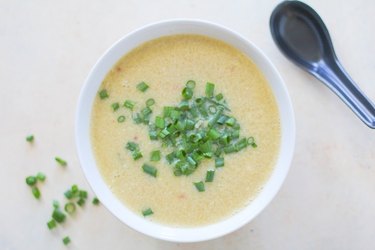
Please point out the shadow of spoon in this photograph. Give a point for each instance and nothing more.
(302, 37)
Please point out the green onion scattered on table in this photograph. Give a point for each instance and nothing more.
(103, 94)
(95, 201)
(199, 186)
(51, 224)
(148, 169)
(142, 86)
(210, 175)
(121, 119)
(31, 180)
(66, 240)
(155, 155)
(115, 106)
(36, 192)
(70, 207)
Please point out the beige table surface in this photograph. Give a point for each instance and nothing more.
(47, 49)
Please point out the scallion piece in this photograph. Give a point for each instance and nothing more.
(187, 93)
(150, 102)
(40, 176)
(69, 194)
(74, 189)
(210, 89)
(210, 175)
(81, 202)
(159, 122)
(70, 207)
(121, 119)
(132, 146)
(115, 106)
(51, 224)
(95, 201)
(30, 138)
(66, 240)
(219, 97)
(129, 104)
(103, 94)
(142, 86)
(149, 170)
(31, 180)
(213, 134)
(199, 186)
(251, 142)
(147, 212)
(55, 204)
(82, 194)
(36, 192)
(58, 215)
(137, 155)
(61, 161)
(190, 84)
(155, 155)
(219, 162)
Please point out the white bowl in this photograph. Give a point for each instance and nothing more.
(85, 152)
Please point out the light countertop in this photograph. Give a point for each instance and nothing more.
(47, 49)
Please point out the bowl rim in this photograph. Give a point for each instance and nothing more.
(154, 229)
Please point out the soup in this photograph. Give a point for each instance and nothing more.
(165, 65)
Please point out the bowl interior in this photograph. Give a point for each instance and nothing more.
(83, 117)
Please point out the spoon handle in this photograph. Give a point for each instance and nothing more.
(336, 78)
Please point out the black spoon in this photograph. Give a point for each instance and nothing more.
(301, 35)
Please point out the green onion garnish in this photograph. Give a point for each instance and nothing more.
(219, 162)
(61, 161)
(115, 106)
(150, 102)
(36, 192)
(199, 186)
(69, 194)
(142, 86)
(149, 170)
(70, 207)
(187, 93)
(137, 155)
(55, 204)
(51, 224)
(210, 175)
(219, 97)
(159, 122)
(30, 138)
(66, 240)
(103, 94)
(251, 142)
(210, 89)
(129, 104)
(132, 146)
(40, 176)
(147, 212)
(121, 119)
(81, 202)
(155, 155)
(58, 216)
(82, 194)
(31, 180)
(95, 201)
(190, 84)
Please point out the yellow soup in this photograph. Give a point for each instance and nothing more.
(165, 64)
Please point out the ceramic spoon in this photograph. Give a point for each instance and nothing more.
(301, 35)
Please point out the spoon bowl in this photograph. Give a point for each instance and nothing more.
(303, 38)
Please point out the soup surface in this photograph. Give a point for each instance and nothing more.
(165, 64)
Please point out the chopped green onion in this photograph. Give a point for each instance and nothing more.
(147, 212)
(230, 121)
(212, 109)
(70, 207)
(190, 84)
(129, 104)
(170, 157)
(210, 89)
(95, 201)
(68, 194)
(187, 93)
(30, 138)
(132, 146)
(142, 86)
(66, 240)
(58, 216)
(31, 180)
(219, 162)
(82, 194)
(210, 175)
(155, 155)
(229, 149)
(40, 176)
(199, 186)
(51, 224)
(121, 119)
(115, 106)
(219, 97)
(251, 142)
(81, 202)
(146, 111)
(61, 161)
(150, 102)
(137, 155)
(103, 94)
(150, 170)
(36, 192)
(159, 122)
(74, 189)
(241, 144)
(213, 134)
